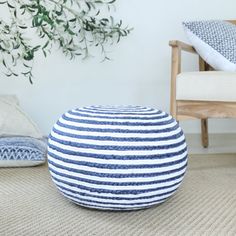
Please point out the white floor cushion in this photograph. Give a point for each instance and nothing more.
(14, 121)
(206, 86)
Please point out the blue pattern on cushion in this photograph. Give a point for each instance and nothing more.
(22, 148)
(218, 34)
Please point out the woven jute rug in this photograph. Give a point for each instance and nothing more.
(205, 204)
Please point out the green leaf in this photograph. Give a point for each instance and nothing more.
(9, 5)
(4, 63)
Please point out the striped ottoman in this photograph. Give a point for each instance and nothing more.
(117, 158)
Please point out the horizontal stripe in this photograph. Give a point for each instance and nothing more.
(123, 204)
(109, 207)
(118, 111)
(168, 123)
(118, 201)
(107, 160)
(110, 189)
(146, 131)
(165, 121)
(117, 185)
(113, 158)
(118, 108)
(70, 141)
(116, 166)
(118, 116)
(114, 154)
(174, 169)
(92, 111)
(118, 139)
(114, 197)
(81, 145)
(106, 183)
(120, 183)
(115, 125)
(119, 135)
(107, 170)
(109, 194)
(121, 209)
(74, 175)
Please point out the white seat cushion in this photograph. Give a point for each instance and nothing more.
(206, 86)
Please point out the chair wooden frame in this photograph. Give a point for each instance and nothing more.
(203, 110)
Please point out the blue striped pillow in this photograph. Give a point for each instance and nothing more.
(117, 158)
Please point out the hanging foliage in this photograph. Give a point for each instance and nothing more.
(75, 26)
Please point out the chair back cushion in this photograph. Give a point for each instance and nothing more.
(215, 41)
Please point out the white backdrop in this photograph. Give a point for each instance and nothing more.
(138, 74)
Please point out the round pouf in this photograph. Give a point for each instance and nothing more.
(117, 158)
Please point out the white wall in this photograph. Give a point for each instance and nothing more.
(138, 74)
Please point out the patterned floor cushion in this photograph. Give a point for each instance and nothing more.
(21, 151)
(21, 142)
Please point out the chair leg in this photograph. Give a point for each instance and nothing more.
(204, 128)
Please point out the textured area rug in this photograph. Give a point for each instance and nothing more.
(205, 204)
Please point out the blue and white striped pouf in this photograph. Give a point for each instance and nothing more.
(117, 158)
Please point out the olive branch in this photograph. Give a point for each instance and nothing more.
(75, 26)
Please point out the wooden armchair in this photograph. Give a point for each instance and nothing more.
(216, 99)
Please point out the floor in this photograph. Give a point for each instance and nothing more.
(218, 143)
(205, 204)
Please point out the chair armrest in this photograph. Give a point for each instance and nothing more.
(182, 46)
(177, 48)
